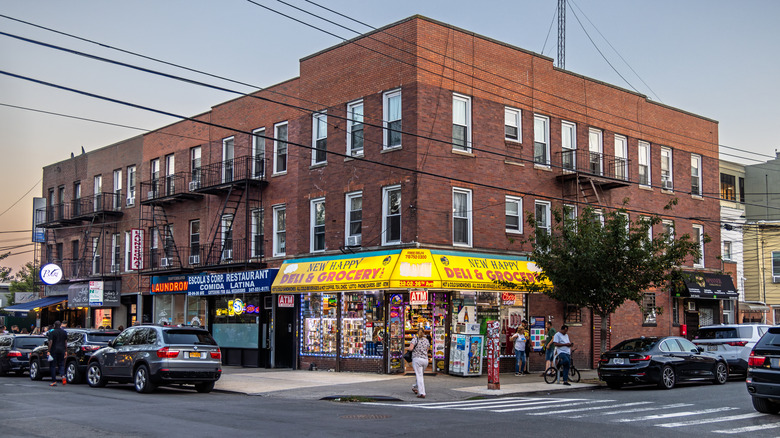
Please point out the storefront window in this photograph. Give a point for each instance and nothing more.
(318, 315)
(512, 314)
(362, 324)
(163, 309)
(235, 320)
(103, 318)
(196, 311)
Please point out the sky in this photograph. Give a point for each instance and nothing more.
(714, 58)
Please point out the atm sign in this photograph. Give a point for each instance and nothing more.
(418, 297)
(286, 300)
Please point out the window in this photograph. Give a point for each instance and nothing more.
(391, 215)
(227, 237)
(317, 235)
(573, 315)
(280, 224)
(170, 170)
(776, 266)
(280, 148)
(542, 214)
(570, 214)
(258, 153)
(77, 190)
(195, 241)
(98, 193)
(666, 169)
(695, 174)
(514, 214)
(117, 189)
(728, 187)
(698, 237)
(644, 163)
(675, 311)
(154, 176)
(667, 228)
(596, 151)
(355, 128)
(257, 233)
(461, 217)
(59, 249)
(512, 126)
(154, 244)
(649, 308)
(116, 253)
(742, 190)
(392, 119)
(727, 250)
(598, 216)
(728, 312)
(195, 173)
(461, 123)
(569, 145)
(228, 147)
(645, 220)
(621, 157)
(354, 219)
(96, 256)
(319, 138)
(130, 185)
(168, 243)
(541, 140)
(128, 250)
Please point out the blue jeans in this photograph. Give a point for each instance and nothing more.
(519, 361)
(565, 361)
(58, 364)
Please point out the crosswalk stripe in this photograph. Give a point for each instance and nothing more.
(495, 405)
(712, 420)
(652, 408)
(675, 414)
(564, 405)
(470, 402)
(749, 428)
(480, 404)
(592, 408)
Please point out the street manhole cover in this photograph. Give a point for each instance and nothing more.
(364, 417)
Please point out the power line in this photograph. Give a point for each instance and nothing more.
(19, 200)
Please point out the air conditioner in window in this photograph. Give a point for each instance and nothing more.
(130, 201)
(195, 259)
(150, 194)
(667, 185)
(165, 262)
(354, 240)
(115, 269)
(691, 306)
(227, 254)
(194, 185)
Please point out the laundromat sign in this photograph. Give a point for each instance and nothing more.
(215, 284)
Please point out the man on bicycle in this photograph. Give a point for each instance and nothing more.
(562, 342)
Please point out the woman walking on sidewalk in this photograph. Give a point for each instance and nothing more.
(419, 348)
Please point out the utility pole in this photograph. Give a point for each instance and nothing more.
(562, 34)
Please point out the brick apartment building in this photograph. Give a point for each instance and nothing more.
(388, 184)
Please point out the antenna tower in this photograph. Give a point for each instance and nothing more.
(562, 34)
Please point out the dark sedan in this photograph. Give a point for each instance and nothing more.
(663, 361)
(15, 351)
(81, 344)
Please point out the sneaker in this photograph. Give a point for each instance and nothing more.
(64, 381)
(566, 384)
(53, 384)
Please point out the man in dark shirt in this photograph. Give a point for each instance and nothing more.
(58, 344)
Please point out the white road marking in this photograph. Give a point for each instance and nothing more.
(592, 408)
(712, 420)
(652, 408)
(675, 414)
(564, 405)
(749, 428)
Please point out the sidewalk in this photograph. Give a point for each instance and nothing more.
(314, 385)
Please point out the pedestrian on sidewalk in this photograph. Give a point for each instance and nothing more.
(58, 344)
(548, 345)
(520, 340)
(419, 347)
(562, 342)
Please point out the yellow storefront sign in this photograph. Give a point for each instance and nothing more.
(485, 272)
(336, 274)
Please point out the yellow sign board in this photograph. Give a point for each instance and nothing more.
(484, 272)
(336, 274)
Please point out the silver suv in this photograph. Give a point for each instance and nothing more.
(732, 341)
(151, 355)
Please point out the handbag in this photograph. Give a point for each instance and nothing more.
(408, 356)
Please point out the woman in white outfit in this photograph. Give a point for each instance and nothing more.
(419, 348)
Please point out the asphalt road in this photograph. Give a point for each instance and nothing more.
(33, 409)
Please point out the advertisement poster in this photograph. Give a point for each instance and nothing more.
(396, 338)
(475, 355)
(493, 354)
(537, 332)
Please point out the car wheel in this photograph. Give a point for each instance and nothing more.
(72, 372)
(95, 377)
(143, 382)
(204, 387)
(668, 378)
(721, 374)
(35, 370)
(614, 384)
(765, 406)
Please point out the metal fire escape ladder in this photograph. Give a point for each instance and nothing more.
(81, 263)
(169, 248)
(232, 201)
(588, 190)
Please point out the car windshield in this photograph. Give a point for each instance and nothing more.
(641, 344)
(724, 333)
(184, 336)
(29, 343)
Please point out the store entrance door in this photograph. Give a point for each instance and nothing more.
(266, 319)
(284, 337)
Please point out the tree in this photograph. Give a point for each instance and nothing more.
(602, 262)
(24, 280)
(5, 272)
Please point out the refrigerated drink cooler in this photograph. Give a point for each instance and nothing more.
(466, 354)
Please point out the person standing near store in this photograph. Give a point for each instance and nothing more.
(58, 344)
(562, 342)
(549, 346)
(419, 348)
(520, 339)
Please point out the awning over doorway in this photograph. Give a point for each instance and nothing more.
(32, 305)
(405, 269)
(753, 307)
(708, 285)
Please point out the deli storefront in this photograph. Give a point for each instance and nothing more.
(358, 312)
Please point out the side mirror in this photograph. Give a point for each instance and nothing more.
(112, 343)
(698, 350)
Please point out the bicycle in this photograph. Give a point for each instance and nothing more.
(551, 374)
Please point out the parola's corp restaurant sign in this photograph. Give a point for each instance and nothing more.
(215, 284)
(405, 269)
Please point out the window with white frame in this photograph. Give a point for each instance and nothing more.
(98, 193)
(317, 220)
(228, 153)
(195, 172)
(598, 216)
(512, 125)
(569, 145)
(227, 237)
(195, 241)
(543, 216)
(667, 228)
(258, 236)
(666, 169)
(280, 231)
(354, 219)
(461, 217)
(116, 253)
(541, 140)
(596, 151)
(727, 250)
(319, 138)
(644, 163)
(570, 214)
(696, 174)
(461, 123)
(698, 237)
(170, 171)
(117, 189)
(776, 266)
(355, 128)
(646, 220)
(96, 264)
(128, 250)
(514, 214)
(258, 153)
(280, 148)
(392, 119)
(649, 310)
(621, 157)
(391, 215)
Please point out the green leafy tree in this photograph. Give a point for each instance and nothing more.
(601, 264)
(24, 280)
(5, 272)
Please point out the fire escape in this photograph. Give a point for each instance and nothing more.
(586, 175)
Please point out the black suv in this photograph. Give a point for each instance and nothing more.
(763, 374)
(151, 355)
(81, 344)
(14, 351)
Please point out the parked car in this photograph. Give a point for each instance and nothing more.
(763, 375)
(152, 355)
(732, 341)
(82, 343)
(660, 360)
(15, 351)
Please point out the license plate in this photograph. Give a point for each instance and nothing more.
(712, 348)
(617, 361)
(194, 355)
(774, 363)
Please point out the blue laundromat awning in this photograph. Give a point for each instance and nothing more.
(43, 302)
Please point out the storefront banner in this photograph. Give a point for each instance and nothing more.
(415, 269)
(482, 272)
(83, 295)
(95, 293)
(136, 249)
(342, 273)
(215, 284)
